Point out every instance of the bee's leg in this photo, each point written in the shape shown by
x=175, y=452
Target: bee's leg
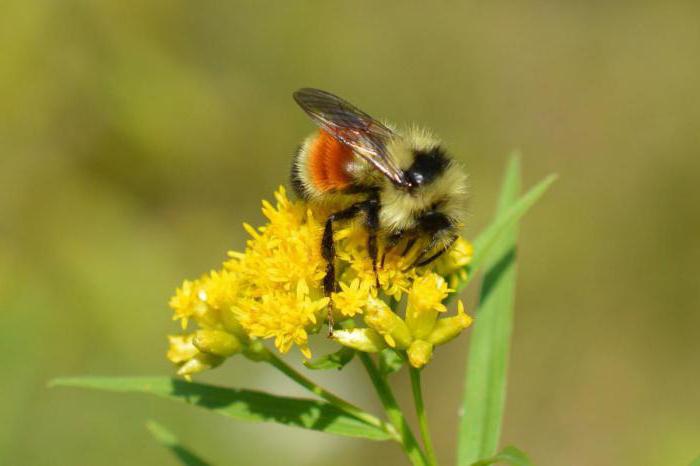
x=421, y=260
x=371, y=208
x=389, y=245
x=328, y=253
x=409, y=245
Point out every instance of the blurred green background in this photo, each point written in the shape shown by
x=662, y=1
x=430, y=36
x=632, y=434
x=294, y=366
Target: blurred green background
x=136, y=137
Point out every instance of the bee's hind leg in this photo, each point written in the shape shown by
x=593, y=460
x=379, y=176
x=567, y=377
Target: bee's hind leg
x=328, y=253
x=372, y=223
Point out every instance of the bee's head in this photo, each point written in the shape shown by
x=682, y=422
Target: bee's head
x=433, y=197
x=427, y=166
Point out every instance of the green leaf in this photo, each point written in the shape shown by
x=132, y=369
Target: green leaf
x=485, y=245
x=244, y=405
x=336, y=360
x=169, y=441
x=509, y=455
x=390, y=361
x=485, y=387
x=696, y=462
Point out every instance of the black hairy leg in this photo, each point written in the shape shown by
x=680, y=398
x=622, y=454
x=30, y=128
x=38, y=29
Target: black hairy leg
x=422, y=260
x=390, y=243
x=328, y=252
x=372, y=224
x=409, y=245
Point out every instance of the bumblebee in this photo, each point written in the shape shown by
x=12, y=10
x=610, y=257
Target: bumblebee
x=401, y=183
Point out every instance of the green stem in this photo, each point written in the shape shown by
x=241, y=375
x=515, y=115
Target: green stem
x=310, y=385
x=393, y=411
x=422, y=417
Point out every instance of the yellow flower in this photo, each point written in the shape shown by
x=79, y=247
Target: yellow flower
x=387, y=323
x=186, y=302
x=351, y=298
x=448, y=328
x=217, y=342
x=453, y=265
x=417, y=336
x=419, y=353
x=394, y=277
x=361, y=339
x=189, y=359
x=286, y=317
x=273, y=290
x=181, y=348
x=424, y=302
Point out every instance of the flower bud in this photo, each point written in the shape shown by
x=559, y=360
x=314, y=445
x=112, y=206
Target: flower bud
x=199, y=363
x=180, y=348
x=448, y=328
x=457, y=258
x=419, y=353
x=362, y=339
x=231, y=324
x=217, y=342
x=382, y=319
x=420, y=321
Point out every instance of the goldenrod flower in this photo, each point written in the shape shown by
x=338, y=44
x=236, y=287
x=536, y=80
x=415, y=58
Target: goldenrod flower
x=456, y=261
x=217, y=342
x=449, y=327
x=273, y=290
x=419, y=353
x=352, y=298
x=361, y=339
x=421, y=329
x=424, y=303
x=181, y=348
x=388, y=324
x=190, y=360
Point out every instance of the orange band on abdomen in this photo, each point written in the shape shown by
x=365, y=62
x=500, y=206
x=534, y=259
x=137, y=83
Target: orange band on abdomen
x=328, y=161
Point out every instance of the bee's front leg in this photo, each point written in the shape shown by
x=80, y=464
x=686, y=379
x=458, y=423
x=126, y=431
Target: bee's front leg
x=422, y=260
x=390, y=242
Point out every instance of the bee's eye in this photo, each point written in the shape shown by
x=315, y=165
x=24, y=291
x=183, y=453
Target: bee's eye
x=426, y=166
x=416, y=177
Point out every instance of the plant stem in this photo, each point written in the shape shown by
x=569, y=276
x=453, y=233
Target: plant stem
x=393, y=411
x=422, y=417
x=310, y=385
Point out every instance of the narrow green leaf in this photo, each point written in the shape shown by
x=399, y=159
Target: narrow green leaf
x=244, y=405
x=505, y=221
x=696, y=462
x=336, y=360
x=169, y=441
x=390, y=361
x=509, y=455
x=485, y=388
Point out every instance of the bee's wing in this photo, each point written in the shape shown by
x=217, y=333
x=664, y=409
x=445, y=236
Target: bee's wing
x=353, y=127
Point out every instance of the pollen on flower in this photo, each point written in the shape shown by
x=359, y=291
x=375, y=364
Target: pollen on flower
x=273, y=290
x=352, y=298
x=428, y=292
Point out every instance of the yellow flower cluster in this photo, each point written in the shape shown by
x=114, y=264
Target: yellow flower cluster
x=273, y=290
x=419, y=332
